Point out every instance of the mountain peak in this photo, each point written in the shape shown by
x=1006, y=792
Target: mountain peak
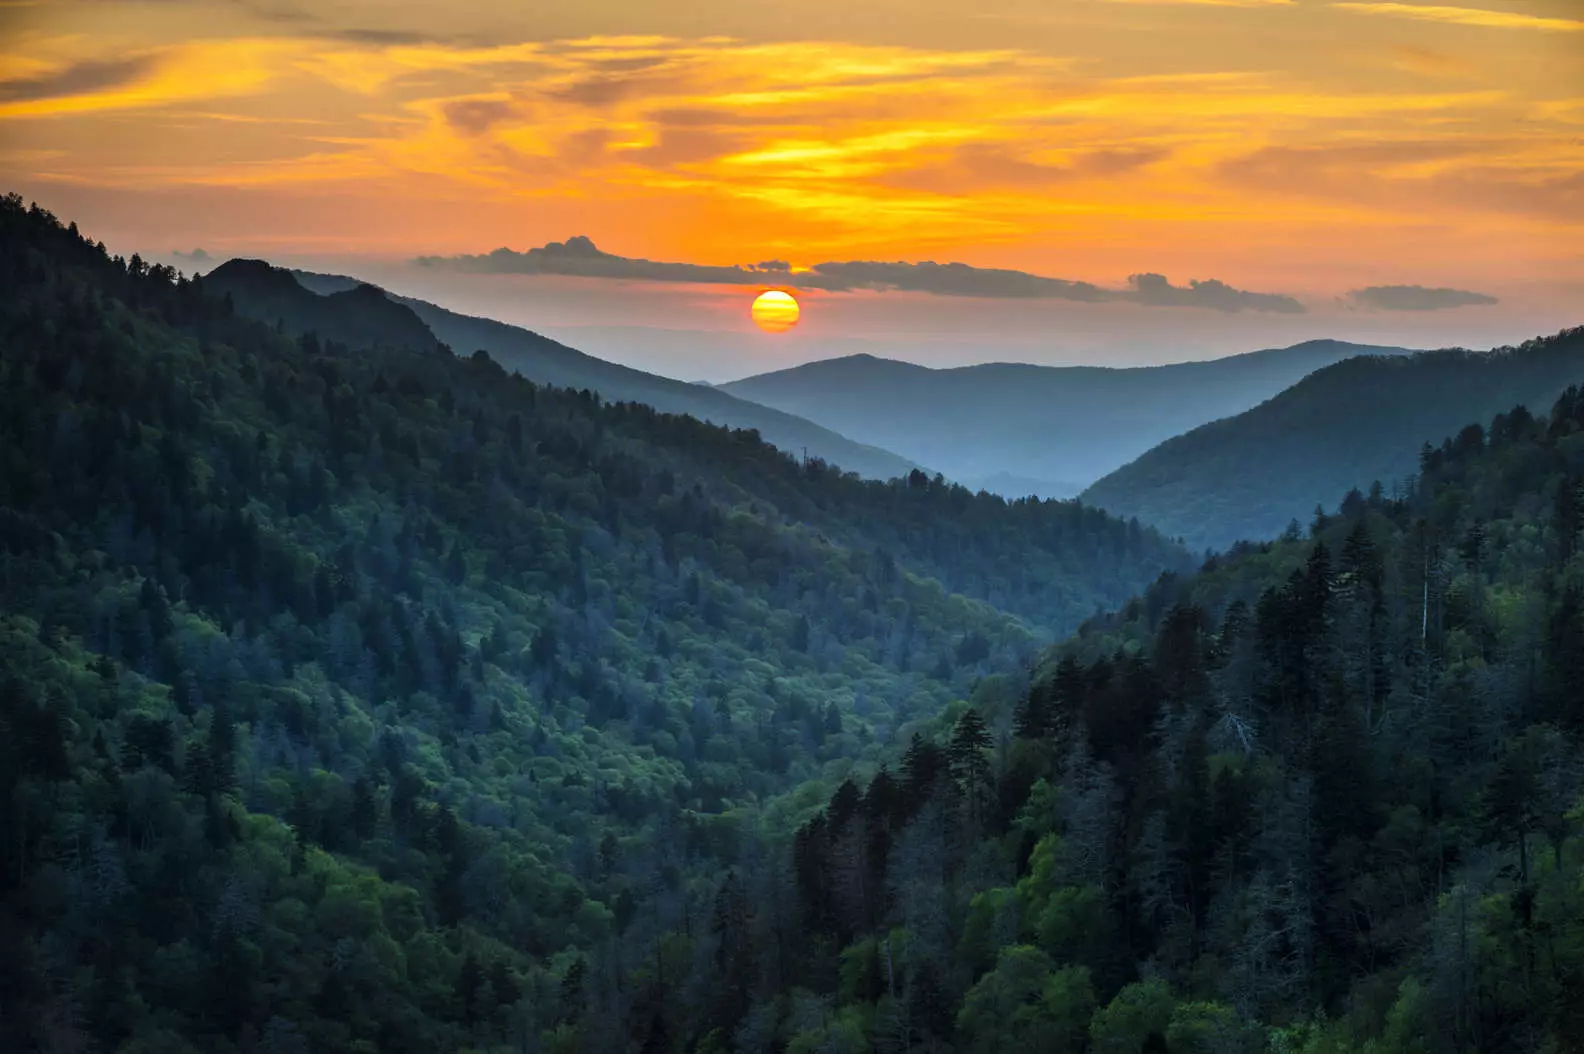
x=360, y=316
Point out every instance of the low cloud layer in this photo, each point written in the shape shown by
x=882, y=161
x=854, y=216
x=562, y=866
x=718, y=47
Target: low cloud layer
x=578, y=257
x=1415, y=298
x=1156, y=291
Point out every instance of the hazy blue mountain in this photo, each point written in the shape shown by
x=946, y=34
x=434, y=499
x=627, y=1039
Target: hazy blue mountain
x=546, y=361
x=1021, y=429
x=1345, y=426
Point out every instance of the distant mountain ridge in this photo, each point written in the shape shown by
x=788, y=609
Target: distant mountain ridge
x=1026, y=426
x=1353, y=423
x=347, y=310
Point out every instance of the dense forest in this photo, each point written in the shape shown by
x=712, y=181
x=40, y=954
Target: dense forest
x=359, y=696
x=1325, y=795
x=1341, y=427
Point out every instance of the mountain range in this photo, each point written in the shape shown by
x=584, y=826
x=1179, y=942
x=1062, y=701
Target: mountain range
x=1209, y=452
x=356, y=695
x=1346, y=426
x=1019, y=428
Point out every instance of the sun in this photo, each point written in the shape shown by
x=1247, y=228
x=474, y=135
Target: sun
x=775, y=311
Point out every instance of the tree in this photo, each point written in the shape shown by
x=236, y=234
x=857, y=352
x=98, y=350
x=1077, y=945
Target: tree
x=1139, y=1016
x=1027, y=1005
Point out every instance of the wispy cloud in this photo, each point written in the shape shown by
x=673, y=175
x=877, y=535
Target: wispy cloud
x=1211, y=3
x=815, y=149
x=1416, y=298
x=578, y=257
x=1467, y=16
x=80, y=78
x=208, y=70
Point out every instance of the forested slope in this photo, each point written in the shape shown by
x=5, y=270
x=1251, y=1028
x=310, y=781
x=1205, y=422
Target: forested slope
x=355, y=696
x=358, y=314
x=1325, y=795
x=1351, y=424
x=543, y=361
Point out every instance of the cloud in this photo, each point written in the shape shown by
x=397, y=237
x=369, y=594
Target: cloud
x=197, y=256
x=476, y=116
x=1212, y=3
x=1429, y=63
x=78, y=79
x=979, y=165
x=816, y=149
x=948, y=279
x=1467, y=16
x=1415, y=298
x=204, y=70
x=579, y=257
x=1155, y=291
x=1502, y=173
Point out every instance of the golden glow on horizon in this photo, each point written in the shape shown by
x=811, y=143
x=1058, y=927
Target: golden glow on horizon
x=775, y=311
x=1088, y=140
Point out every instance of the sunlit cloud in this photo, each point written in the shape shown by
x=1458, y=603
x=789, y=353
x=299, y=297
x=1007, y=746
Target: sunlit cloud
x=1211, y=3
x=823, y=149
x=1467, y=16
x=209, y=70
x=1430, y=63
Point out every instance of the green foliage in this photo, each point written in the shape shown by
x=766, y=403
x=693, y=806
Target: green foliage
x=1025, y=1005
x=1323, y=795
x=360, y=696
x=378, y=700
x=1137, y=1019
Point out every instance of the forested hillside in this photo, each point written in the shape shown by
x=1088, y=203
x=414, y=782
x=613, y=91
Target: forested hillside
x=358, y=314
x=1325, y=795
x=1360, y=421
x=356, y=696
x=298, y=299
x=1048, y=430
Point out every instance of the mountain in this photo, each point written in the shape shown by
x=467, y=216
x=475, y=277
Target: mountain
x=1354, y=423
x=358, y=315
x=1322, y=796
x=357, y=696
x=1020, y=429
x=546, y=361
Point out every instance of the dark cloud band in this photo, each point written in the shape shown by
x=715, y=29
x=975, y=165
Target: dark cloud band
x=578, y=257
x=1415, y=298
x=78, y=79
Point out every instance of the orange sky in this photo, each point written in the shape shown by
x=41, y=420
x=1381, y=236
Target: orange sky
x=1295, y=146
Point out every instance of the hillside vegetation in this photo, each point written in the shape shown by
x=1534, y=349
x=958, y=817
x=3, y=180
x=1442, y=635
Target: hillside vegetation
x=1358, y=422
x=300, y=300
x=356, y=696
x=1325, y=795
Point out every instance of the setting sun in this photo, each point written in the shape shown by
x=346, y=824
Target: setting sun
x=775, y=311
